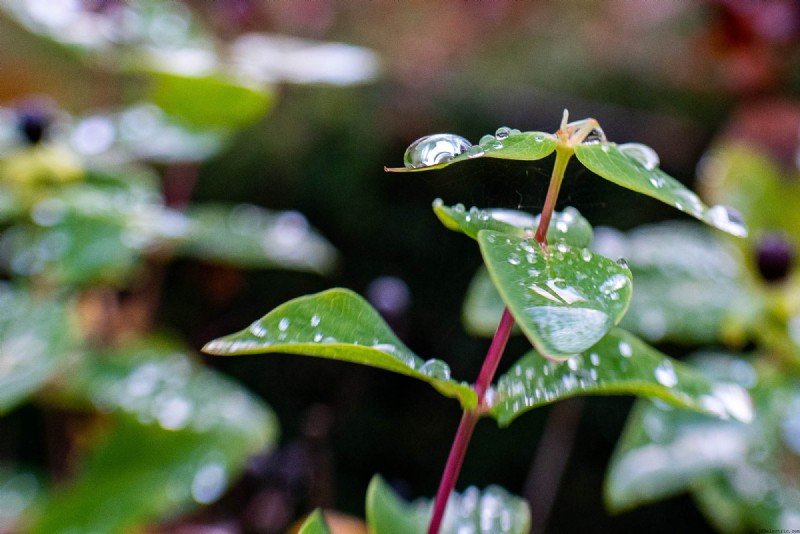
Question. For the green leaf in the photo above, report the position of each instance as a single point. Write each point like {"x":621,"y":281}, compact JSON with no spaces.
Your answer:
{"x":179,"y":435}
{"x":213,"y":101}
{"x":622,"y":166}
{"x":446,"y":149}
{"x":246,"y":235}
{"x":35,"y":338}
{"x":619,"y":364}
{"x":483,"y":306}
{"x":727,"y":465}
{"x":490,"y":510}
{"x":315,"y":524}
{"x":18,"y":494}
{"x":340,"y":325}
{"x":687,"y":281}
{"x":567,"y":226}
{"x":565,"y":299}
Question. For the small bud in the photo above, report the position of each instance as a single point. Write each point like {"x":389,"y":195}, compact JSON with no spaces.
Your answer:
{"x":774,"y":257}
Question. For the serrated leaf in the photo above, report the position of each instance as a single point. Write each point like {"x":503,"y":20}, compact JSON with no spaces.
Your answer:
{"x":315,"y":524}
{"x":490,"y":510}
{"x":566,"y":226}
{"x":619,"y":364}
{"x":609,"y":161}
{"x":179,"y":435}
{"x":246,"y":235}
{"x":564,"y":299}
{"x":340,"y":325}
{"x":35,"y":337}
{"x":445,"y":149}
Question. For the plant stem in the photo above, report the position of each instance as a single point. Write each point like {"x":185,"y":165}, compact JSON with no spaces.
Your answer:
{"x":470,"y":417}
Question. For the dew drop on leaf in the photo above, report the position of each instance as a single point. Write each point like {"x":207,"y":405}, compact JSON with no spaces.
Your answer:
{"x":436,"y":369}
{"x":434,"y":149}
{"x":726,"y":219}
{"x":665,"y":374}
{"x":642,"y":154}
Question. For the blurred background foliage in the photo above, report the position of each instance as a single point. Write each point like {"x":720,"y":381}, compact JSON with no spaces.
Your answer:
{"x":148,"y":132}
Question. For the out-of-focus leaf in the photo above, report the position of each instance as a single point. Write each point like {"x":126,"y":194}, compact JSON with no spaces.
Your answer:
{"x":34,"y":339}
{"x":211,"y":101}
{"x":178,"y":435}
{"x":641,"y":174}
{"x":250,"y":236}
{"x":440,"y":150}
{"x":565,"y":299}
{"x":619,"y":364}
{"x":340,"y":325}
{"x":483,"y":306}
{"x":490,"y":510}
{"x":18,"y":493}
{"x":687,"y":281}
{"x":730,"y":467}
{"x":566,"y":226}
{"x":315,"y":524}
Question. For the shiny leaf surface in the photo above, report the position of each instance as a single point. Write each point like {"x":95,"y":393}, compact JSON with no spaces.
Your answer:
{"x":565,"y":299}
{"x":620,"y":364}
{"x":340,"y":325}
{"x":491,"y":510}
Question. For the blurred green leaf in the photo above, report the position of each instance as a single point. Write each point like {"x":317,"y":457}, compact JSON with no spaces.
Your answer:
{"x":566,"y":226}
{"x":315,"y":524}
{"x":340,"y":325}
{"x":619,"y":364}
{"x":514,"y":145}
{"x":210,"y":101}
{"x":614,"y":163}
{"x":687,"y":281}
{"x":35,"y":337}
{"x":565,"y":299}
{"x":743,"y":476}
{"x":482,"y":306}
{"x":250,"y":236}
{"x":178,"y":435}
{"x":490,"y":510}
{"x":18,"y":493}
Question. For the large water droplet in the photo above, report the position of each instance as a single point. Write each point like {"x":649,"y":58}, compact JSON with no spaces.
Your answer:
{"x":597,"y":135}
{"x":434,"y":149}
{"x":726,"y":219}
{"x":502,"y":132}
{"x":665,"y":374}
{"x":643,"y":154}
{"x":436,"y":369}
{"x":613,"y":284}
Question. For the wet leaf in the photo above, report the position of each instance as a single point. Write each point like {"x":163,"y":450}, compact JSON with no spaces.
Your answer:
{"x":566,"y":226}
{"x":440,"y":150}
{"x":491,"y":510}
{"x":565,"y":299}
{"x":315,"y":524}
{"x":340,"y":325}
{"x":250,"y":236}
{"x":35,"y":337}
{"x":178,"y":436}
{"x":611,"y":162}
{"x":620,"y":364}
{"x":741,"y":475}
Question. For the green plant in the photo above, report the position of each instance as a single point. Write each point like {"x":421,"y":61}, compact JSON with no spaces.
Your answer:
{"x":565,"y":298}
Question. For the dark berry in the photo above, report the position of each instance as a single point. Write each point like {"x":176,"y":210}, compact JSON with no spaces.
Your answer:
{"x":774,"y":257}
{"x":33,"y":124}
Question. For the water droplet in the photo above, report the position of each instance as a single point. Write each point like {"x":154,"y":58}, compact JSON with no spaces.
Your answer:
{"x":586,"y":254}
{"x":209,"y":482}
{"x":497,"y":145}
{"x":657,"y":181}
{"x":502,"y":132}
{"x":257,"y":329}
{"x":622,"y":262}
{"x":613,"y":284}
{"x":642,"y":154}
{"x":594,"y":358}
{"x":486,"y":139}
{"x":434,"y":149}
{"x":283,"y":324}
{"x":438,"y":203}
{"x":573,"y":363}
{"x":520,"y":219}
{"x":475,"y":151}
{"x":625,"y":349}
{"x":513,"y":259}
{"x":538,"y":138}
{"x":315,"y":319}
{"x":597,"y":135}
{"x":736,"y":401}
{"x":385,"y":347}
{"x":317,"y":337}
{"x":726,"y":219}
{"x":459,"y":208}
{"x":436,"y":369}
{"x":665,"y":374}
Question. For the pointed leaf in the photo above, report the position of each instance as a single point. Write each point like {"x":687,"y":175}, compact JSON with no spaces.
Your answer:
{"x":566,"y":226}
{"x":490,"y":510}
{"x":315,"y":524}
{"x":34,"y":341}
{"x":179,"y":434}
{"x":613,"y":162}
{"x":619,"y":364}
{"x":564,"y":299}
{"x":483,"y":306}
{"x":340,"y":325}
{"x":247,"y":235}
{"x":441,"y":150}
